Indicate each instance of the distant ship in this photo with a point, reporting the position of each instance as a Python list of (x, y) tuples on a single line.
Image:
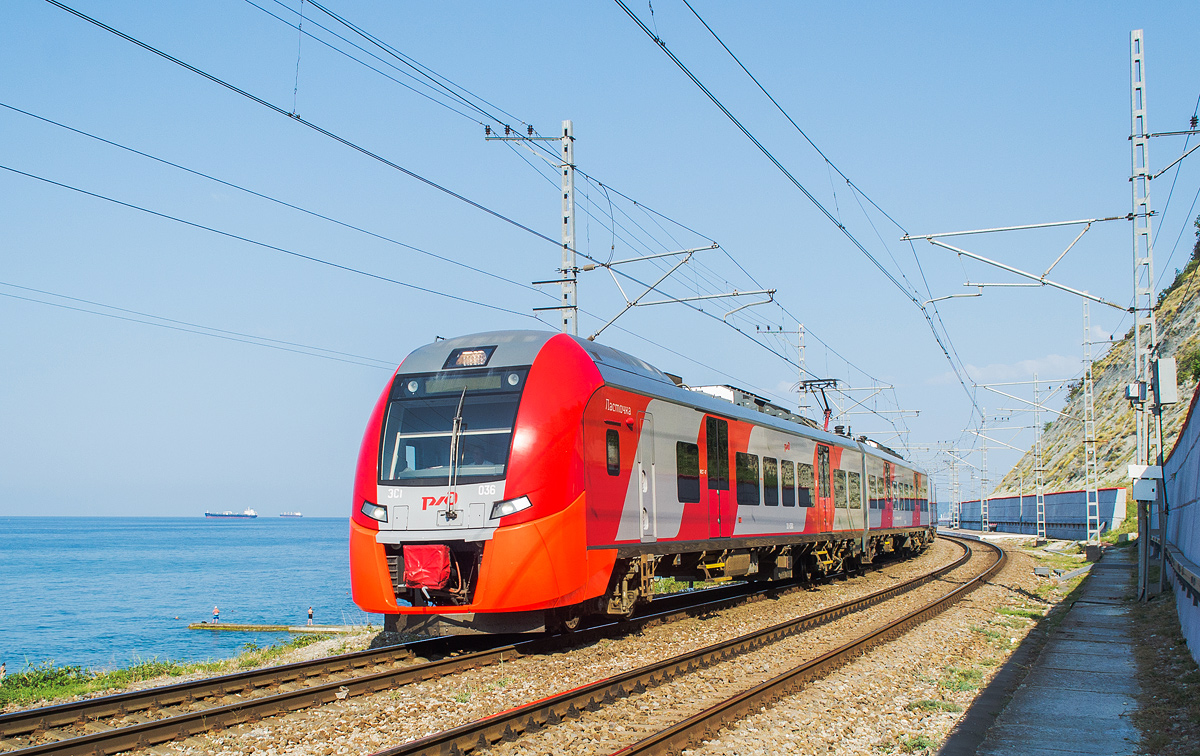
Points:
[(290, 514), (248, 513)]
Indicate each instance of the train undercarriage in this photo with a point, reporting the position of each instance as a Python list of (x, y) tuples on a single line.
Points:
[(637, 569)]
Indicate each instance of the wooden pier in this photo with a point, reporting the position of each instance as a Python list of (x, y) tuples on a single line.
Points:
[(236, 627)]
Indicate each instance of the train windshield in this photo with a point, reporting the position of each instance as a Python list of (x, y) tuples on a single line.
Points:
[(420, 430)]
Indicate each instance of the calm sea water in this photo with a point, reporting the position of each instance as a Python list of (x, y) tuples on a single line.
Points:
[(106, 591)]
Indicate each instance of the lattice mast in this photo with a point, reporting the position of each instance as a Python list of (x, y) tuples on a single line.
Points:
[(983, 474), (955, 493), (1145, 335), (1038, 472), (569, 269), (1091, 473)]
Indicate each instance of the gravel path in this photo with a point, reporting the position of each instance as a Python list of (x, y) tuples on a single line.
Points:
[(413, 711)]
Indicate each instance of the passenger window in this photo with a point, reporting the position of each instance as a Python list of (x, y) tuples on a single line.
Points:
[(687, 465), (614, 452), (787, 477), (872, 482), (747, 479), (804, 478), (839, 489), (855, 490), (770, 482)]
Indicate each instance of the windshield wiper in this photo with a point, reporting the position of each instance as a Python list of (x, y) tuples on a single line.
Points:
[(455, 431)]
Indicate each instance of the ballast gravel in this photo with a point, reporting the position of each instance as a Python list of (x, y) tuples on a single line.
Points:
[(866, 707)]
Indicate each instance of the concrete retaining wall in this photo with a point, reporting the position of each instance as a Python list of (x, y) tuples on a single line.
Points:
[(1066, 513), (1182, 474)]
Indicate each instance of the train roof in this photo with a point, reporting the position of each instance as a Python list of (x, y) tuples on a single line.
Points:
[(520, 347)]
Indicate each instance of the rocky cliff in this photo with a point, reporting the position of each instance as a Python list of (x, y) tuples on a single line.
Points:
[(1178, 314)]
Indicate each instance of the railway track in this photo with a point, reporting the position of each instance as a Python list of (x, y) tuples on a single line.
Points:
[(121, 722), (675, 737)]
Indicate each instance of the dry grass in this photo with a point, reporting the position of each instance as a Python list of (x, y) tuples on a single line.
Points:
[(1169, 717)]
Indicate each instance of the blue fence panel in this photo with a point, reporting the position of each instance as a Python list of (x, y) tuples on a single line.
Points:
[(1181, 472), (1066, 513)]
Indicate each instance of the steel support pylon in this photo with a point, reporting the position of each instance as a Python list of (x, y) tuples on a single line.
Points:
[(570, 271), (1091, 472), (1145, 335), (1038, 476), (983, 476)]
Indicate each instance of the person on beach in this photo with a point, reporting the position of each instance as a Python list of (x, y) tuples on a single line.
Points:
[(310, 615), (216, 615)]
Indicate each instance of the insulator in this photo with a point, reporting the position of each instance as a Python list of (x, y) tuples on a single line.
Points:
[(1194, 122), (487, 130), (530, 132), (507, 130)]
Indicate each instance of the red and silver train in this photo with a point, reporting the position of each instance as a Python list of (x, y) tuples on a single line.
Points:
[(515, 480)]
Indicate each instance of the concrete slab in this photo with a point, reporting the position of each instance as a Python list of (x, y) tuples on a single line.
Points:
[(1117, 739), (1080, 680), (1122, 665), (1105, 647), (1055, 705), (1085, 633), (1079, 694)]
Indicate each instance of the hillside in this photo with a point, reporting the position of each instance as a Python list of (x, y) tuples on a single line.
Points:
[(1178, 316)]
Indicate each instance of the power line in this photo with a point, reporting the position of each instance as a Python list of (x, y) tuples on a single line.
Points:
[(337, 49), (201, 330), (275, 200), (841, 227), (309, 124), (329, 134), (265, 245)]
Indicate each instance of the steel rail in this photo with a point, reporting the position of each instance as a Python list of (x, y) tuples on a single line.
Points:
[(706, 724), (531, 717), (460, 653)]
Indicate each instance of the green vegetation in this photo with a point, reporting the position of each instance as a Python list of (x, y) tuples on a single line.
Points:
[(931, 705), (1128, 525), (917, 743), (958, 679), (1032, 614), (47, 681), (672, 585)]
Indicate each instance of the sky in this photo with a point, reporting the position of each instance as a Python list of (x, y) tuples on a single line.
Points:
[(215, 343)]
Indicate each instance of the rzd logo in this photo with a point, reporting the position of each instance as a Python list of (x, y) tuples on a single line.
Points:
[(436, 501)]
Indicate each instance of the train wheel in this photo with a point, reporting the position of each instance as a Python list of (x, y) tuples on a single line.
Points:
[(564, 619)]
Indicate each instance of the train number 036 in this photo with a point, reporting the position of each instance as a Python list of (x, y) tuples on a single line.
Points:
[(488, 490)]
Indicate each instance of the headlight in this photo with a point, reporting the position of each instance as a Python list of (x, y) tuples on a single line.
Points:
[(510, 506), (374, 511)]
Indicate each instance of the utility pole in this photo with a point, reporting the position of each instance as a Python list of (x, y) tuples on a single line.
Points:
[(800, 363), (568, 306), (955, 494), (569, 269), (1039, 489), (983, 474), (1145, 336), (1091, 469)]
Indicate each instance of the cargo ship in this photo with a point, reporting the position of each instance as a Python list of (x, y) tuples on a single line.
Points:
[(247, 513), (290, 514)]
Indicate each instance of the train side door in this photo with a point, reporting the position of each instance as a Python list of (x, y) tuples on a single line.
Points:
[(885, 513), (722, 510), (824, 487), (646, 482)]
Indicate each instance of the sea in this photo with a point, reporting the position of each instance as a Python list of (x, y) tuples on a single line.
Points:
[(106, 592)]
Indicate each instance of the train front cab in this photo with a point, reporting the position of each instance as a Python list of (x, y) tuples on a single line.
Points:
[(497, 539)]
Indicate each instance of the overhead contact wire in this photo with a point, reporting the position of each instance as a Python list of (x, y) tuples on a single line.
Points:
[(265, 245), (309, 124)]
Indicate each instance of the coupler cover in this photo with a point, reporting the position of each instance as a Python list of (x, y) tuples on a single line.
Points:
[(426, 565)]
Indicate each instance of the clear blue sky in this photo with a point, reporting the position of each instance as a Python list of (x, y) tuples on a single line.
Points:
[(948, 115)]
